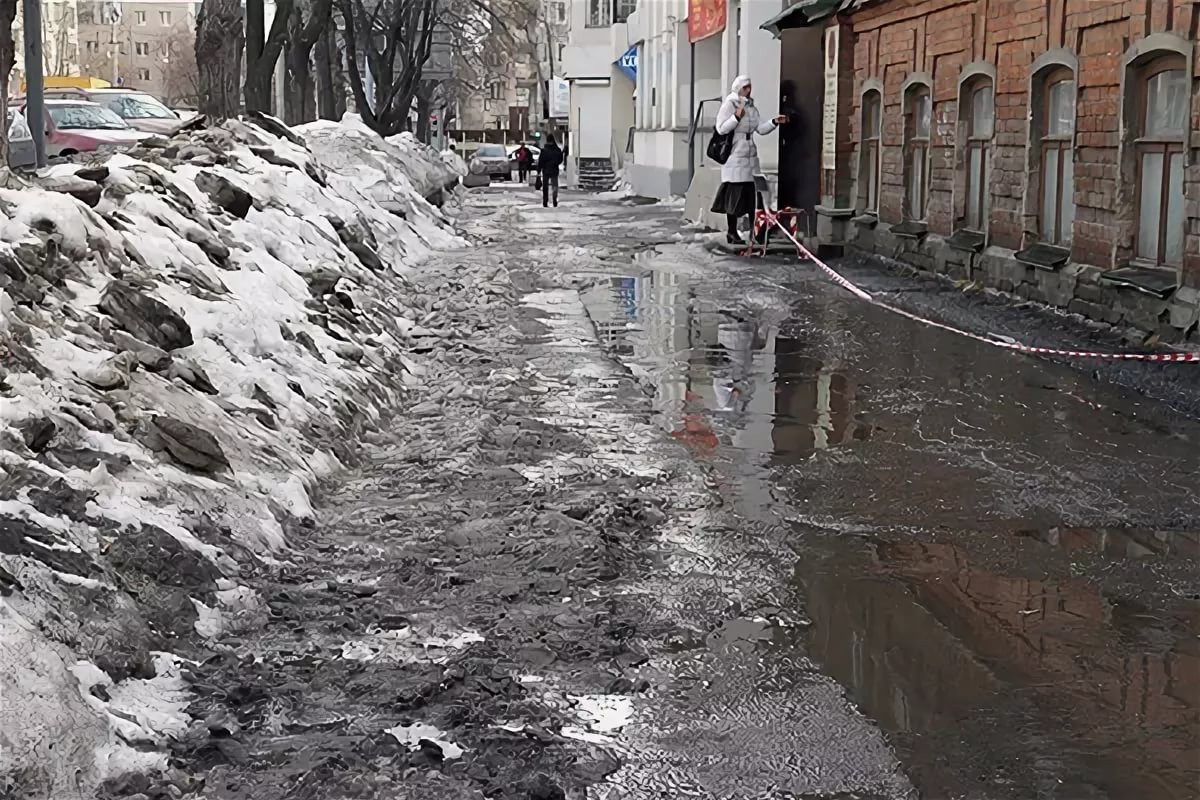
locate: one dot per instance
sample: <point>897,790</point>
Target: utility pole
<point>35,106</point>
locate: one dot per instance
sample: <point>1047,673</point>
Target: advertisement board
<point>705,18</point>
<point>560,98</point>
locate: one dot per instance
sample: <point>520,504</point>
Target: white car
<point>20,142</point>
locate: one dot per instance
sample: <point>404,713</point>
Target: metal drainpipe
<point>692,106</point>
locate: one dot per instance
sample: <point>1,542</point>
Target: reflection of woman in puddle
<point>732,362</point>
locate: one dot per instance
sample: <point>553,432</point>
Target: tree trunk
<point>262,54</point>
<point>220,41</point>
<point>306,26</point>
<point>424,108</point>
<point>299,95</point>
<point>327,87</point>
<point>8,59</point>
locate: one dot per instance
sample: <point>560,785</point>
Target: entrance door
<point>801,90</point>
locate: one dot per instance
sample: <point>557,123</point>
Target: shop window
<point>918,114</point>
<point>872,120</point>
<point>977,107</point>
<point>1056,162</point>
<point>1162,122</point>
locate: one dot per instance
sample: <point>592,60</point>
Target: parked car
<point>140,110</point>
<point>20,142</point>
<point>77,126</point>
<point>491,160</point>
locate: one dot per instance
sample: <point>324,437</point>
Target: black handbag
<point>720,146</point>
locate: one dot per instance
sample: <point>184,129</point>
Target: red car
<point>77,126</point>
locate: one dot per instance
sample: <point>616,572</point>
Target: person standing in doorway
<point>740,119</point>
<point>549,163</point>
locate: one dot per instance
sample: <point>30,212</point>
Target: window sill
<point>1160,282</point>
<point>967,240</point>
<point>1049,257</point>
<point>910,229</point>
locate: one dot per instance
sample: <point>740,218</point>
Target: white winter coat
<point>743,164</point>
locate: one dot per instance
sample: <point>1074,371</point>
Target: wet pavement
<point>997,554</point>
<point>679,525</point>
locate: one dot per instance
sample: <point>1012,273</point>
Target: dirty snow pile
<point>191,337</point>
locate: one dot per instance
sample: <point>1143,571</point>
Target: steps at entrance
<point>596,175</point>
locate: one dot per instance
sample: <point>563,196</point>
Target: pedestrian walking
<point>739,119</point>
<point>549,163</point>
<point>524,158</point>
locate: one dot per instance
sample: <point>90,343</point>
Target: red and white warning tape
<point>995,341</point>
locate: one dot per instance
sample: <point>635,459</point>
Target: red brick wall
<point>895,38</point>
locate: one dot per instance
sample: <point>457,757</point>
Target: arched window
<point>872,121</point>
<point>1057,162</point>
<point>1162,123</point>
<point>979,106</point>
<point>918,116</point>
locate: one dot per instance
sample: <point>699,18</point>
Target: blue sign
<point>628,63</point>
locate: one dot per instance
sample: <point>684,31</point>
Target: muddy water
<point>997,555</point>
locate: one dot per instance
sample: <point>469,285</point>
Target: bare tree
<point>263,49</point>
<point>220,41</point>
<point>8,59</point>
<point>307,25</point>
<point>393,40</point>
<point>180,73</point>
<point>331,94</point>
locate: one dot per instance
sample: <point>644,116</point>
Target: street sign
<point>628,63</point>
<point>706,18</point>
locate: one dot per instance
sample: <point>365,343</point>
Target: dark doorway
<point>801,89</point>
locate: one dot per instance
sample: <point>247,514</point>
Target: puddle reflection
<point>723,377</point>
<point>950,645</point>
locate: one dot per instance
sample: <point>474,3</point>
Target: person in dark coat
<point>549,164</point>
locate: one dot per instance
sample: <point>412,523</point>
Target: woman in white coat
<point>738,117</point>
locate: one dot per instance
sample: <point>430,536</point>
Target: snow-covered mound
<point>191,337</point>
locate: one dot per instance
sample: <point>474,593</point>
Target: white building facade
<point>671,90</point>
<point>602,97</point>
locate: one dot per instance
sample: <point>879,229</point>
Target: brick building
<point>1048,148</point>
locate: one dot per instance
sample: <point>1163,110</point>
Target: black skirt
<point>735,198</point>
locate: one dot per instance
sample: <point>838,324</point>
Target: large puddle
<point>998,556</point>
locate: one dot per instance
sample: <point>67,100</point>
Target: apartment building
<point>601,93</point>
<point>509,92</point>
<point>60,41</point>
<point>148,45</point>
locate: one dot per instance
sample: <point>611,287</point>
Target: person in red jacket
<point>524,157</point>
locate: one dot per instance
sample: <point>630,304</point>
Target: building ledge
<point>1044,256</point>
<point>967,240</point>
<point>910,229</point>
<point>837,213</point>
<point>1153,281</point>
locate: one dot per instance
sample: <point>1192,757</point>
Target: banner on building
<point>829,118</point>
<point>560,98</point>
<point>705,18</point>
<point>628,63</point>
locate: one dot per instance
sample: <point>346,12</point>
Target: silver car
<point>491,160</point>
